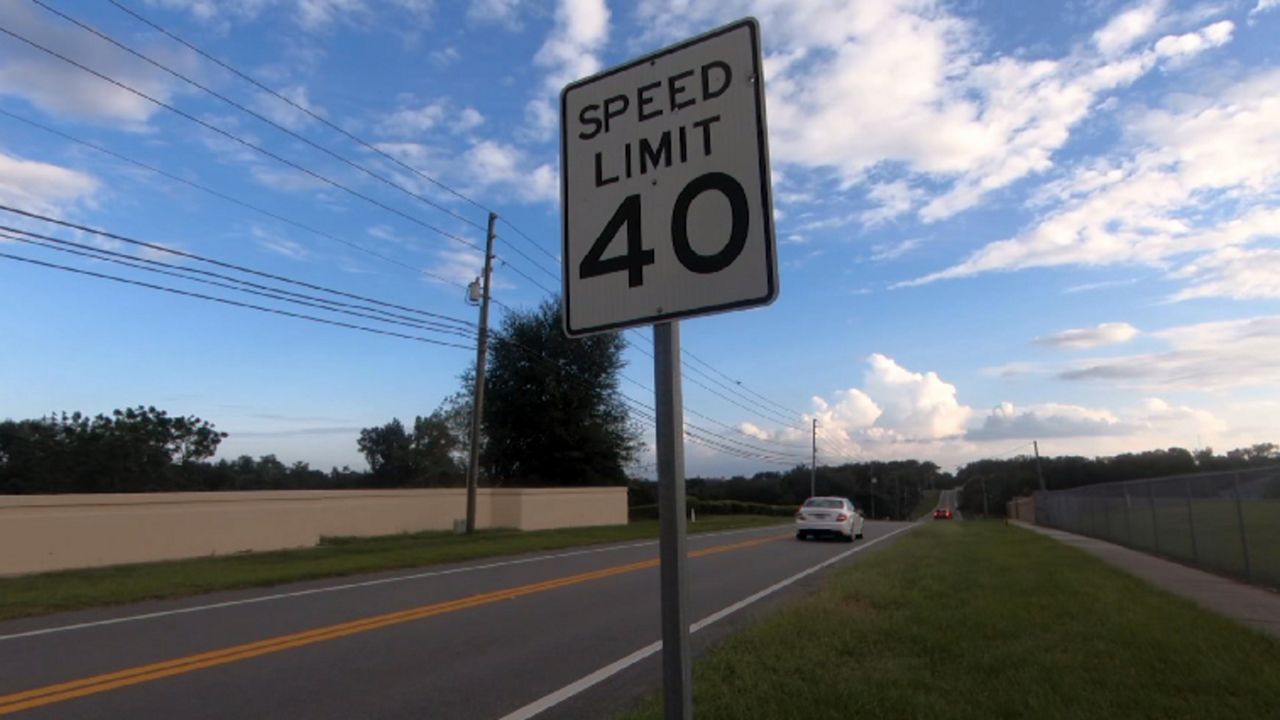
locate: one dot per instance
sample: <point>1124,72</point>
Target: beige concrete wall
<point>52,532</point>
<point>1023,508</point>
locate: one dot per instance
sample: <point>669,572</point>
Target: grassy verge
<point>981,620</point>
<point>68,590</point>
<point>928,501</point>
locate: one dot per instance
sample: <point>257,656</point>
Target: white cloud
<point>892,199</point>
<point>1234,273</point>
<point>570,51</point>
<point>893,251</point>
<point>915,405</point>
<point>61,89</point>
<point>1152,417</point>
<point>906,85</point>
<point>1050,420</point>
<point>312,15</point>
<point>278,244</point>
<point>1122,31</point>
<point>1263,6</point>
<point>439,114</point>
<point>1204,356</point>
<point>505,167</point>
<point>282,112</point>
<point>502,12</point>
<point>1203,176</point>
<point>42,187</point>
<point>1103,334</point>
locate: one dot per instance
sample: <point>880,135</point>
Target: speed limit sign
<point>665,186</point>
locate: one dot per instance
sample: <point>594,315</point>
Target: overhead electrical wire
<point>239,140</point>
<point>228,198</point>
<point>236,303</point>
<point>334,126</point>
<point>178,271</point>
<point>227,265</point>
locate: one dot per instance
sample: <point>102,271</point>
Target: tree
<point>553,414</point>
<point>131,450</point>
<point>423,458</point>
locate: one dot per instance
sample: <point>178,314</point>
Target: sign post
<point>668,214</point>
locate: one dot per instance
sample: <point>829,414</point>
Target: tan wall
<point>52,532</point>
<point>1023,509</point>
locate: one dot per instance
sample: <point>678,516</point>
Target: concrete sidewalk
<point>1250,605</point>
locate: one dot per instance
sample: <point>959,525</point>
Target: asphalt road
<point>950,500</point>
<point>503,638</point>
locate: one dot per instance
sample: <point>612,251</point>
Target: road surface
<point>503,638</point>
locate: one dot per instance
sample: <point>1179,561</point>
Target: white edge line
<point>351,586</point>
<point>549,701</point>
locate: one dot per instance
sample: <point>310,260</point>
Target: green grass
<point>73,589</point>
<point>928,501</point>
<point>982,620</point>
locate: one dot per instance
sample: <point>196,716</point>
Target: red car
<point>941,514</point>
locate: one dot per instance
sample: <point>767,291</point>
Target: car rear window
<point>822,503</point>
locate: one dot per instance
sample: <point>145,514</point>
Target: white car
<point>829,516</point>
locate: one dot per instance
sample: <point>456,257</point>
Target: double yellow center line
<point>50,694</point>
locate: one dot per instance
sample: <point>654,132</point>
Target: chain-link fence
<point>1226,522</point>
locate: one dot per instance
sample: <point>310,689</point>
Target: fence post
<point>1155,528</point>
<point>1244,537</point>
<point>1191,522</point>
<point>1128,522</point>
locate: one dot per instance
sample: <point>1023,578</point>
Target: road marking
<point>60,692</point>
<point>351,586</point>
<point>551,700</point>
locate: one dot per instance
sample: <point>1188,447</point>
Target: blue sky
<point>997,222</point>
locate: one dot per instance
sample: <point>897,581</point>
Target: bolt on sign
<point>666,188</point>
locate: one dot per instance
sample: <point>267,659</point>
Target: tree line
<point>553,416</point>
<point>1003,480</point>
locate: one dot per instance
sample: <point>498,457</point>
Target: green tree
<point>553,414</point>
<point>423,458</point>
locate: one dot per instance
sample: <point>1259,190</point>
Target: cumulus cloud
<point>1151,416</point>
<point>509,169</point>
<point>502,12</point>
<point>1203,356</point>
<point>1203,177</point>
<point>43,187</point>
<point>1051,420</point>
<point>1263,6</point>
<point>570,51</point>
<point>906,85</point>
<point>1103,334</point>
<point>894,406</point>
<point>285,114</point>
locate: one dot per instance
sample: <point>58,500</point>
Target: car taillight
<point>841,517</point>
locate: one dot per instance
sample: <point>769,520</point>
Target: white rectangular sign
<point>665,186</point>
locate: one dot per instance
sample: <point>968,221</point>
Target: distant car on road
<point>829,516</point>
<point>941,514</point>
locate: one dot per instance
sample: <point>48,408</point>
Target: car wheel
<point>857,536</point>
<point>802,536</point>
<point>848,538</point>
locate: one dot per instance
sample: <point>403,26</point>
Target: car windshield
<point>824,503</point>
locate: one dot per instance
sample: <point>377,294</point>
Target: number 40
<point>636,257</point>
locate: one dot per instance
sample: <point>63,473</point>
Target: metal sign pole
<point>677,682</point>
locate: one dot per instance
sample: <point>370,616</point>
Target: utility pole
<point>1039,473</point>
<point>873,497</point>
<point>477,397</point>
<point>813,466</point>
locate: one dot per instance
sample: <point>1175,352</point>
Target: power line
<point>237,139</point>
<point>249,111</point>
<point>226,265</point>
<point>235,303</point>
<point>327,123</point>
<point>178,271</point>
<point>228,198</point>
